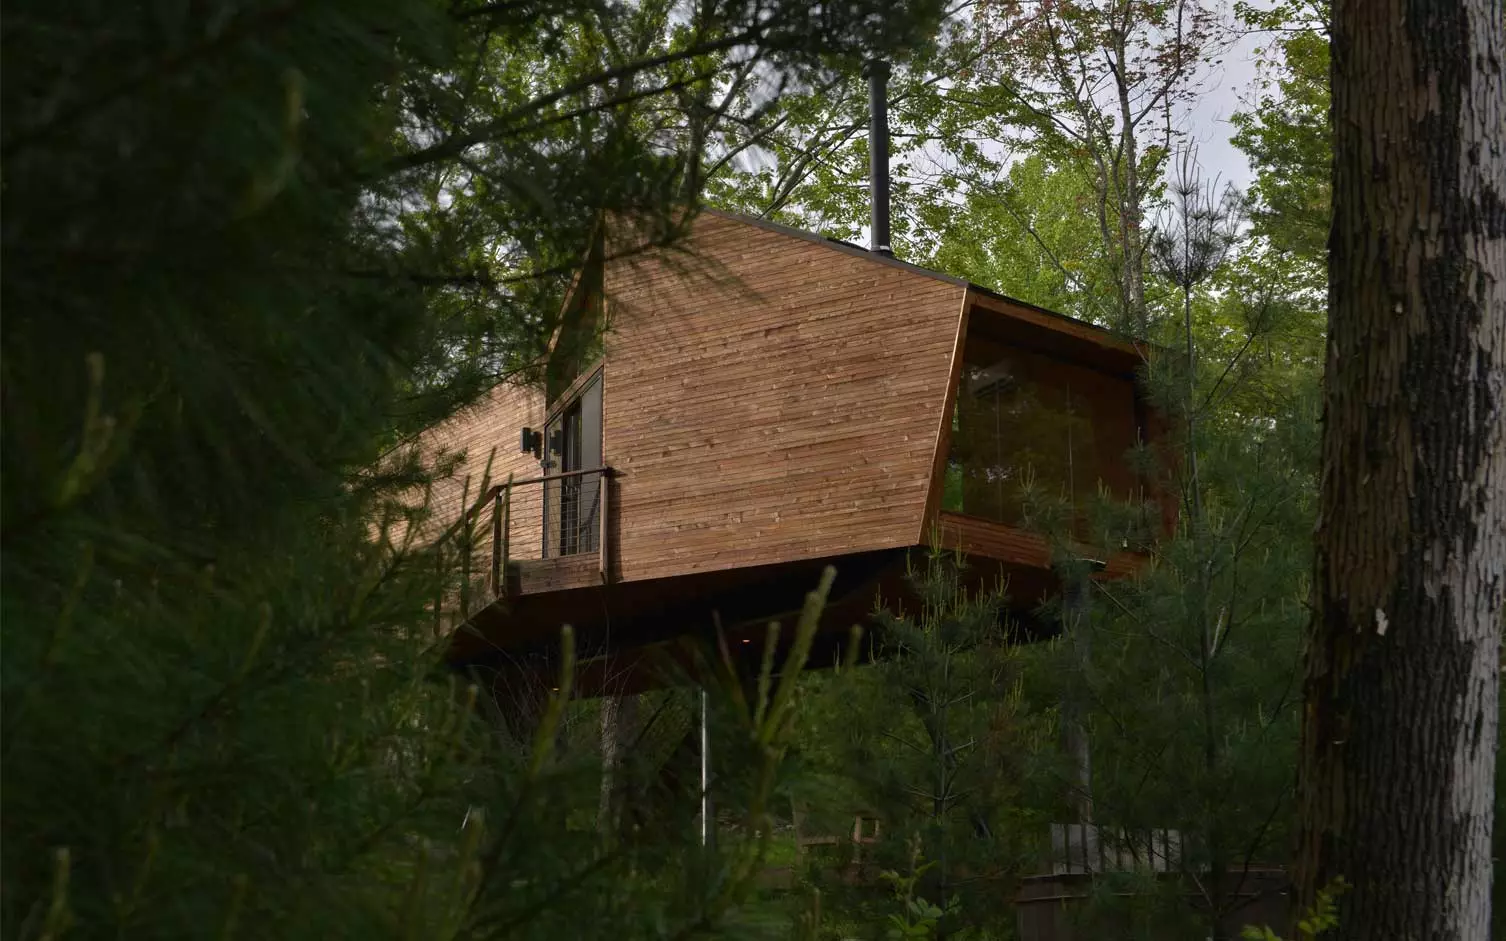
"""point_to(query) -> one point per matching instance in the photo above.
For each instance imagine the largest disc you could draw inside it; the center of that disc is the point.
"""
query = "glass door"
(572, 503)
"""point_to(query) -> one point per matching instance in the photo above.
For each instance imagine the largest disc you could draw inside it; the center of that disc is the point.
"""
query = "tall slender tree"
(1398, 759)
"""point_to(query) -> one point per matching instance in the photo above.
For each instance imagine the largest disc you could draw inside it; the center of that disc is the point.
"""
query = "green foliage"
(1032, 236)
(1193, 664)
(1322, 917)
(1183, 677)
(1286, 133)
(248, 247)
(948, 768)
(1138, 906)
(1188, 671)
(806, 165)
(917, 918)
(1028, 149)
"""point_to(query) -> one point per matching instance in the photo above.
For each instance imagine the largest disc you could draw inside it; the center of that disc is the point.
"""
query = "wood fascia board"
(944, 426)
(1131, 351)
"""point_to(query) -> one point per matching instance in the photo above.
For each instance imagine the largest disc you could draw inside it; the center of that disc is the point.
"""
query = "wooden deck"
(1019, 548)
(629, 635)
(544, 576)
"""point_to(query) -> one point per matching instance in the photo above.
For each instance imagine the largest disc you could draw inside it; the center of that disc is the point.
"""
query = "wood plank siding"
(492, 424)
(769, 399)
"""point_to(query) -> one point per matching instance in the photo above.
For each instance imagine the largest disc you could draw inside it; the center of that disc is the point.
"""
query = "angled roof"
(858, 251)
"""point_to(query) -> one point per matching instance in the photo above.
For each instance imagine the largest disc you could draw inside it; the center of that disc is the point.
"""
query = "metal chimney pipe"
(878, 154)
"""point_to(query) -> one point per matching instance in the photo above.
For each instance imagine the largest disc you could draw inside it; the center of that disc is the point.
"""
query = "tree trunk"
(619, 717)
(1131, 241)
(1399, 733)
(1077, 606)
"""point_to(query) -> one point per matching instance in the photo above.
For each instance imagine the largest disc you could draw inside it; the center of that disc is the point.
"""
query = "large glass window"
(1035, 431)
(572, 501)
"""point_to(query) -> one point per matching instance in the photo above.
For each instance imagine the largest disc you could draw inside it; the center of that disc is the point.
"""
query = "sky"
(1208, 122)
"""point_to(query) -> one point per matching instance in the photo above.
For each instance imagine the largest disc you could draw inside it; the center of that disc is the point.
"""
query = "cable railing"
(550, 517)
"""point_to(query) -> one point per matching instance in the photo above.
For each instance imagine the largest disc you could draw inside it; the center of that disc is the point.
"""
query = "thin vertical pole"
(467, 537)
(706, 834)
(497, 543)
(506, 547)
(610, 744)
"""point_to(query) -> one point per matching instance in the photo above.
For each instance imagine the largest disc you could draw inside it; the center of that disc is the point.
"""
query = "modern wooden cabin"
(765, 402)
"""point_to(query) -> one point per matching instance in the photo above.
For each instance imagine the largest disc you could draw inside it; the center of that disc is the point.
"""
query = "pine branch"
(231, 35)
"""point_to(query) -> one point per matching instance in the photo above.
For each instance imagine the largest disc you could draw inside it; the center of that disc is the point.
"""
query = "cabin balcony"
(543, 534)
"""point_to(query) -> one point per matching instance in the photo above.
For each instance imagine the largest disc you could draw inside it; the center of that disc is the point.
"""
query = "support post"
(708, 835)
(1077, 605)
(618, 720)
(506, 547)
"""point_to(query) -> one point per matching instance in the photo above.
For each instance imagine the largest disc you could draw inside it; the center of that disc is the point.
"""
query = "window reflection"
(1015, 434)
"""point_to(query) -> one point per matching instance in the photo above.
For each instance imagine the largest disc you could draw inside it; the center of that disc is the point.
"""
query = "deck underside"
(644, 634)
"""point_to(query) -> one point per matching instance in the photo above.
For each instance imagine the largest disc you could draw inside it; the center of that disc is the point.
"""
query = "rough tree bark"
(1399, 733)
(619, 719)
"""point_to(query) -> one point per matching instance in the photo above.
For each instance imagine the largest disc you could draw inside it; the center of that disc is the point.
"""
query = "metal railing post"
(601, 540)
(506, 547)
(497, 543)
(467, 536)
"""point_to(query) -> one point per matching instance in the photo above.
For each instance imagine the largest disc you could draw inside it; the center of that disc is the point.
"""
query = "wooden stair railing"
(859, 838)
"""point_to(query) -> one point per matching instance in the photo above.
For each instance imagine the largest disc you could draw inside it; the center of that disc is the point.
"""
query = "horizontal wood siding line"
(785, 409)
(772, 323)
(790, 490)
(757, 458)
(860, 361)
(761, 442)
(816, 301)
(789, 278)
(876, 377)
(777, 495)
(670, 413)
(827, 517)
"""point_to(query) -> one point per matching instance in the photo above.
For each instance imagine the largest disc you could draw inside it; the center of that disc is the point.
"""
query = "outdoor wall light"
(532, 443)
